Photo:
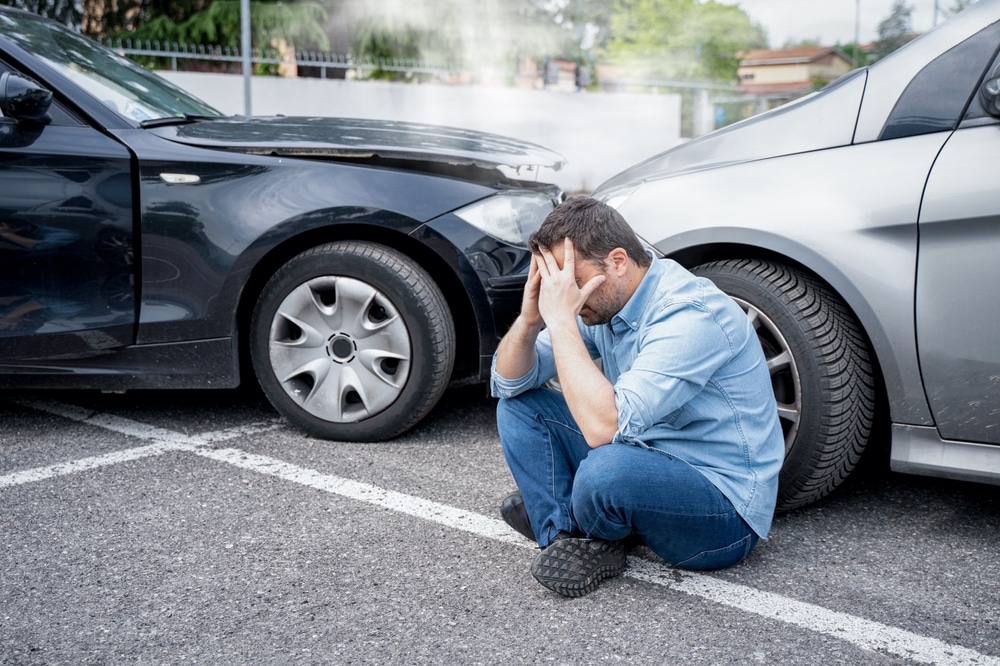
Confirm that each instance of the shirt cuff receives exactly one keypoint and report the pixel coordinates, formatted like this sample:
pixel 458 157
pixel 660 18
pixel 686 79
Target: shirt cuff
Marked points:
pixel 501 387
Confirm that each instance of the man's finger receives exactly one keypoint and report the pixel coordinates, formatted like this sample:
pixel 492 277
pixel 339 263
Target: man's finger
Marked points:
pixel 548 265
pixel 569 255
pixel 591 286
pixel 534 273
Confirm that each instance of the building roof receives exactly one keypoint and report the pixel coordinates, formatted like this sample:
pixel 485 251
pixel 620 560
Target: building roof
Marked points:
pixel 796 56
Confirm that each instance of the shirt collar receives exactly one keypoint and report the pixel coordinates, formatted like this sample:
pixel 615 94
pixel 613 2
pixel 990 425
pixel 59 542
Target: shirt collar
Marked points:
pixel 632 312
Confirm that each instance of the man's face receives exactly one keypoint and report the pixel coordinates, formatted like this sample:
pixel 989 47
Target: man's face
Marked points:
pixel 605 301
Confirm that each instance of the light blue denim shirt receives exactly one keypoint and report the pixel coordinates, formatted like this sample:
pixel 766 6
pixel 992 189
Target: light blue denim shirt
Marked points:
pixel 691 380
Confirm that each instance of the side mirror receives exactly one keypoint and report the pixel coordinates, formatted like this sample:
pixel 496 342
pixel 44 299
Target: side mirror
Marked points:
pixel 23 99
pixel 989 95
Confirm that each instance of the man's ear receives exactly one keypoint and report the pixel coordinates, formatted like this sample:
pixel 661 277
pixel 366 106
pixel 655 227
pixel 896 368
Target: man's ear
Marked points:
pixel 618 260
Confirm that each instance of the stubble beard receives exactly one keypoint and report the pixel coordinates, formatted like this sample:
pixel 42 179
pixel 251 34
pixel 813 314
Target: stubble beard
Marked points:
pixel 603 305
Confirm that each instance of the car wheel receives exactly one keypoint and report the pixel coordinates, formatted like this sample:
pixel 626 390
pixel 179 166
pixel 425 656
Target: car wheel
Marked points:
pixel 820 372
pixel 352 341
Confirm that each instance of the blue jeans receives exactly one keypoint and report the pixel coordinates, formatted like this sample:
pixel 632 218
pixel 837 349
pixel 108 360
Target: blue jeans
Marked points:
pixel 615 490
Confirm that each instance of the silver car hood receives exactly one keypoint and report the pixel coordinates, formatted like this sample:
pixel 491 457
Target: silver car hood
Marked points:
pixel 821 120
pixel 359 138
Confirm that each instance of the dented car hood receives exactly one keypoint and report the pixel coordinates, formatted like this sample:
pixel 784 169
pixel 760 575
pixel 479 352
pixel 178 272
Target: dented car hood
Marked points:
pixel 357 138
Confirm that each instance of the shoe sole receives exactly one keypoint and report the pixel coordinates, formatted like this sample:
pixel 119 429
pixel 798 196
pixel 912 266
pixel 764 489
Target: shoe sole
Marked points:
pixel 575 567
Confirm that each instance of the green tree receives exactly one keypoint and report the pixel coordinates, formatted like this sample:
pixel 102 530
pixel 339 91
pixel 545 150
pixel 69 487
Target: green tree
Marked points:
pixel 480 36
pixel 800 43
pixel 219 23
pixel 855 53
pixel 584 24
pixel 957 6
pixel 376 42
pixel 894 30
pixel 109 17
pixel 679 38
pixel 66 12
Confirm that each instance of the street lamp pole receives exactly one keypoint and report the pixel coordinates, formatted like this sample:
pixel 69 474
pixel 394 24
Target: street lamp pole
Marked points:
pixel 245 47
pixel 857 34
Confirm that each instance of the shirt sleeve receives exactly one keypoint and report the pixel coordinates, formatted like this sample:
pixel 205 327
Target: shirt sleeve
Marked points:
pixel 544 368
pixel 679 351
pixel 542 371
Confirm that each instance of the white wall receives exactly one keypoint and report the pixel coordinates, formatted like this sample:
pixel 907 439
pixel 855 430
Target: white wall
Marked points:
pixel 599 133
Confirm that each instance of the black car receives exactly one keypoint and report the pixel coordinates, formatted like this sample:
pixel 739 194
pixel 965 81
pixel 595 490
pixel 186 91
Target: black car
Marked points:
pixel 147 241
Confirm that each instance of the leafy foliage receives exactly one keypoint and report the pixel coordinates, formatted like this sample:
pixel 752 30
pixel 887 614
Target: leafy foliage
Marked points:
pixel 855 53
pixel 679 38
pixel 894 30
pixel 373 42
pixel 958 6
pixel 478 36
pixel 218 22
pixel 66 12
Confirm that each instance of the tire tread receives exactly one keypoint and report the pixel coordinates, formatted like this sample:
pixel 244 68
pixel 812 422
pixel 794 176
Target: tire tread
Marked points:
pixel 846 410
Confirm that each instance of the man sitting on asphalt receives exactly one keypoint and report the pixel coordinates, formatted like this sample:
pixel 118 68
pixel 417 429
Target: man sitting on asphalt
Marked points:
pixel 675 439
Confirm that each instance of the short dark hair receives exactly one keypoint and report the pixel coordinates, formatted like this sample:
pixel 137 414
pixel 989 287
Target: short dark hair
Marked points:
pixel 594 227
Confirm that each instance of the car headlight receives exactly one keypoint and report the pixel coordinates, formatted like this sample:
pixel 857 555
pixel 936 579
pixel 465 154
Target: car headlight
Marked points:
pixel 509 216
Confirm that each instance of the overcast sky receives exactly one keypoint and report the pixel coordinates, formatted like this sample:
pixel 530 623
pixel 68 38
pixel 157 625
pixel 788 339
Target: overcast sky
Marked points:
pixel 831 21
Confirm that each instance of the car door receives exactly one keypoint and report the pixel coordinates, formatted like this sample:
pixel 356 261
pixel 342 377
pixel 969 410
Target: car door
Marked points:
pixel 958 281
pixel 67 283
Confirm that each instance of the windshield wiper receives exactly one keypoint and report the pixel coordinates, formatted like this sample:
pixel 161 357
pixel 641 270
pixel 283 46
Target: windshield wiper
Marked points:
pixel 176 120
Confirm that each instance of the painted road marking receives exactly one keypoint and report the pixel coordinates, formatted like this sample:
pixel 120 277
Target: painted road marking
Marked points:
pixel 866 634
pixel 164 440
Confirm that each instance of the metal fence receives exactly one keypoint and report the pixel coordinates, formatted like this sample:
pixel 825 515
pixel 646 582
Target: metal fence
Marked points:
pixel 174 52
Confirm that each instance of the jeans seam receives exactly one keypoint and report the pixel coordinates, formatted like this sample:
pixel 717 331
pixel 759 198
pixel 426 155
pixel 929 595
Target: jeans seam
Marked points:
pixel 745 541
pixel 566 513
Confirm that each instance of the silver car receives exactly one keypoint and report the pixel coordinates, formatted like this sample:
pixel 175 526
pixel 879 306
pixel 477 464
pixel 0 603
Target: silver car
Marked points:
pixel 859 228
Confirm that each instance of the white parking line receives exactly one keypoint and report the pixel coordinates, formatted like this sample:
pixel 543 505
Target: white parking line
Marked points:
pixel 165 440
pixel 863 633
pixel 84 464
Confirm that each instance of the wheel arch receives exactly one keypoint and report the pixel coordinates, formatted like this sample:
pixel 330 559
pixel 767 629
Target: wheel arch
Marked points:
pixel 463 316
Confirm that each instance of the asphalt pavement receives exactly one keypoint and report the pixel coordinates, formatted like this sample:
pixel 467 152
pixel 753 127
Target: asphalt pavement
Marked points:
pixel 196 527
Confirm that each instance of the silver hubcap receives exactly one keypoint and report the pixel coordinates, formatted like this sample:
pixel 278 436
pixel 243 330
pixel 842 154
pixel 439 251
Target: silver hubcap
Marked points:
pixel 340 349
pixel 784 374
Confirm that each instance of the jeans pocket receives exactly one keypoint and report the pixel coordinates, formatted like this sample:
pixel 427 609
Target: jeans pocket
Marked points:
pixel 720 558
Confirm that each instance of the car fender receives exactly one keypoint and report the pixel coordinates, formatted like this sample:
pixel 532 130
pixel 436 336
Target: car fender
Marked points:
pixel 208 218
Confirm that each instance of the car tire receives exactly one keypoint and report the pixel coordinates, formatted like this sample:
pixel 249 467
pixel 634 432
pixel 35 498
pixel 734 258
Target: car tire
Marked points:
pixel 820 371
pixel 352 341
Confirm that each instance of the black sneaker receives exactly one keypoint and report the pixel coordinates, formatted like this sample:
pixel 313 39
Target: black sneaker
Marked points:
pixel 514 514
pixel 574 567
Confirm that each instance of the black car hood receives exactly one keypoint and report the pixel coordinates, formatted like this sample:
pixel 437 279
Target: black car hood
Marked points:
pixel 359 138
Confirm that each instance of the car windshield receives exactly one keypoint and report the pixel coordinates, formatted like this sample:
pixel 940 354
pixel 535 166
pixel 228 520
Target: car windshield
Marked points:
pixel 118 82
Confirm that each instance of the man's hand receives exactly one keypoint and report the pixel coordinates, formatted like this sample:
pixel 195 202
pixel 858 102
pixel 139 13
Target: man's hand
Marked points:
pixel 529 301
pixel 516 352
pixel 560 298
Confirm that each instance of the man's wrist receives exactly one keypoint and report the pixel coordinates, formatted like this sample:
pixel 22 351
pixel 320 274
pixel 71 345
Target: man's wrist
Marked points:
pixel 530 326
pixel 558 325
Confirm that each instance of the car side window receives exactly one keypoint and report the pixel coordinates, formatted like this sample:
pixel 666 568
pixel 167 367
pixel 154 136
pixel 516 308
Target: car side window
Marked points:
pixel 939 94
pixel 58 113
pixel 977 114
